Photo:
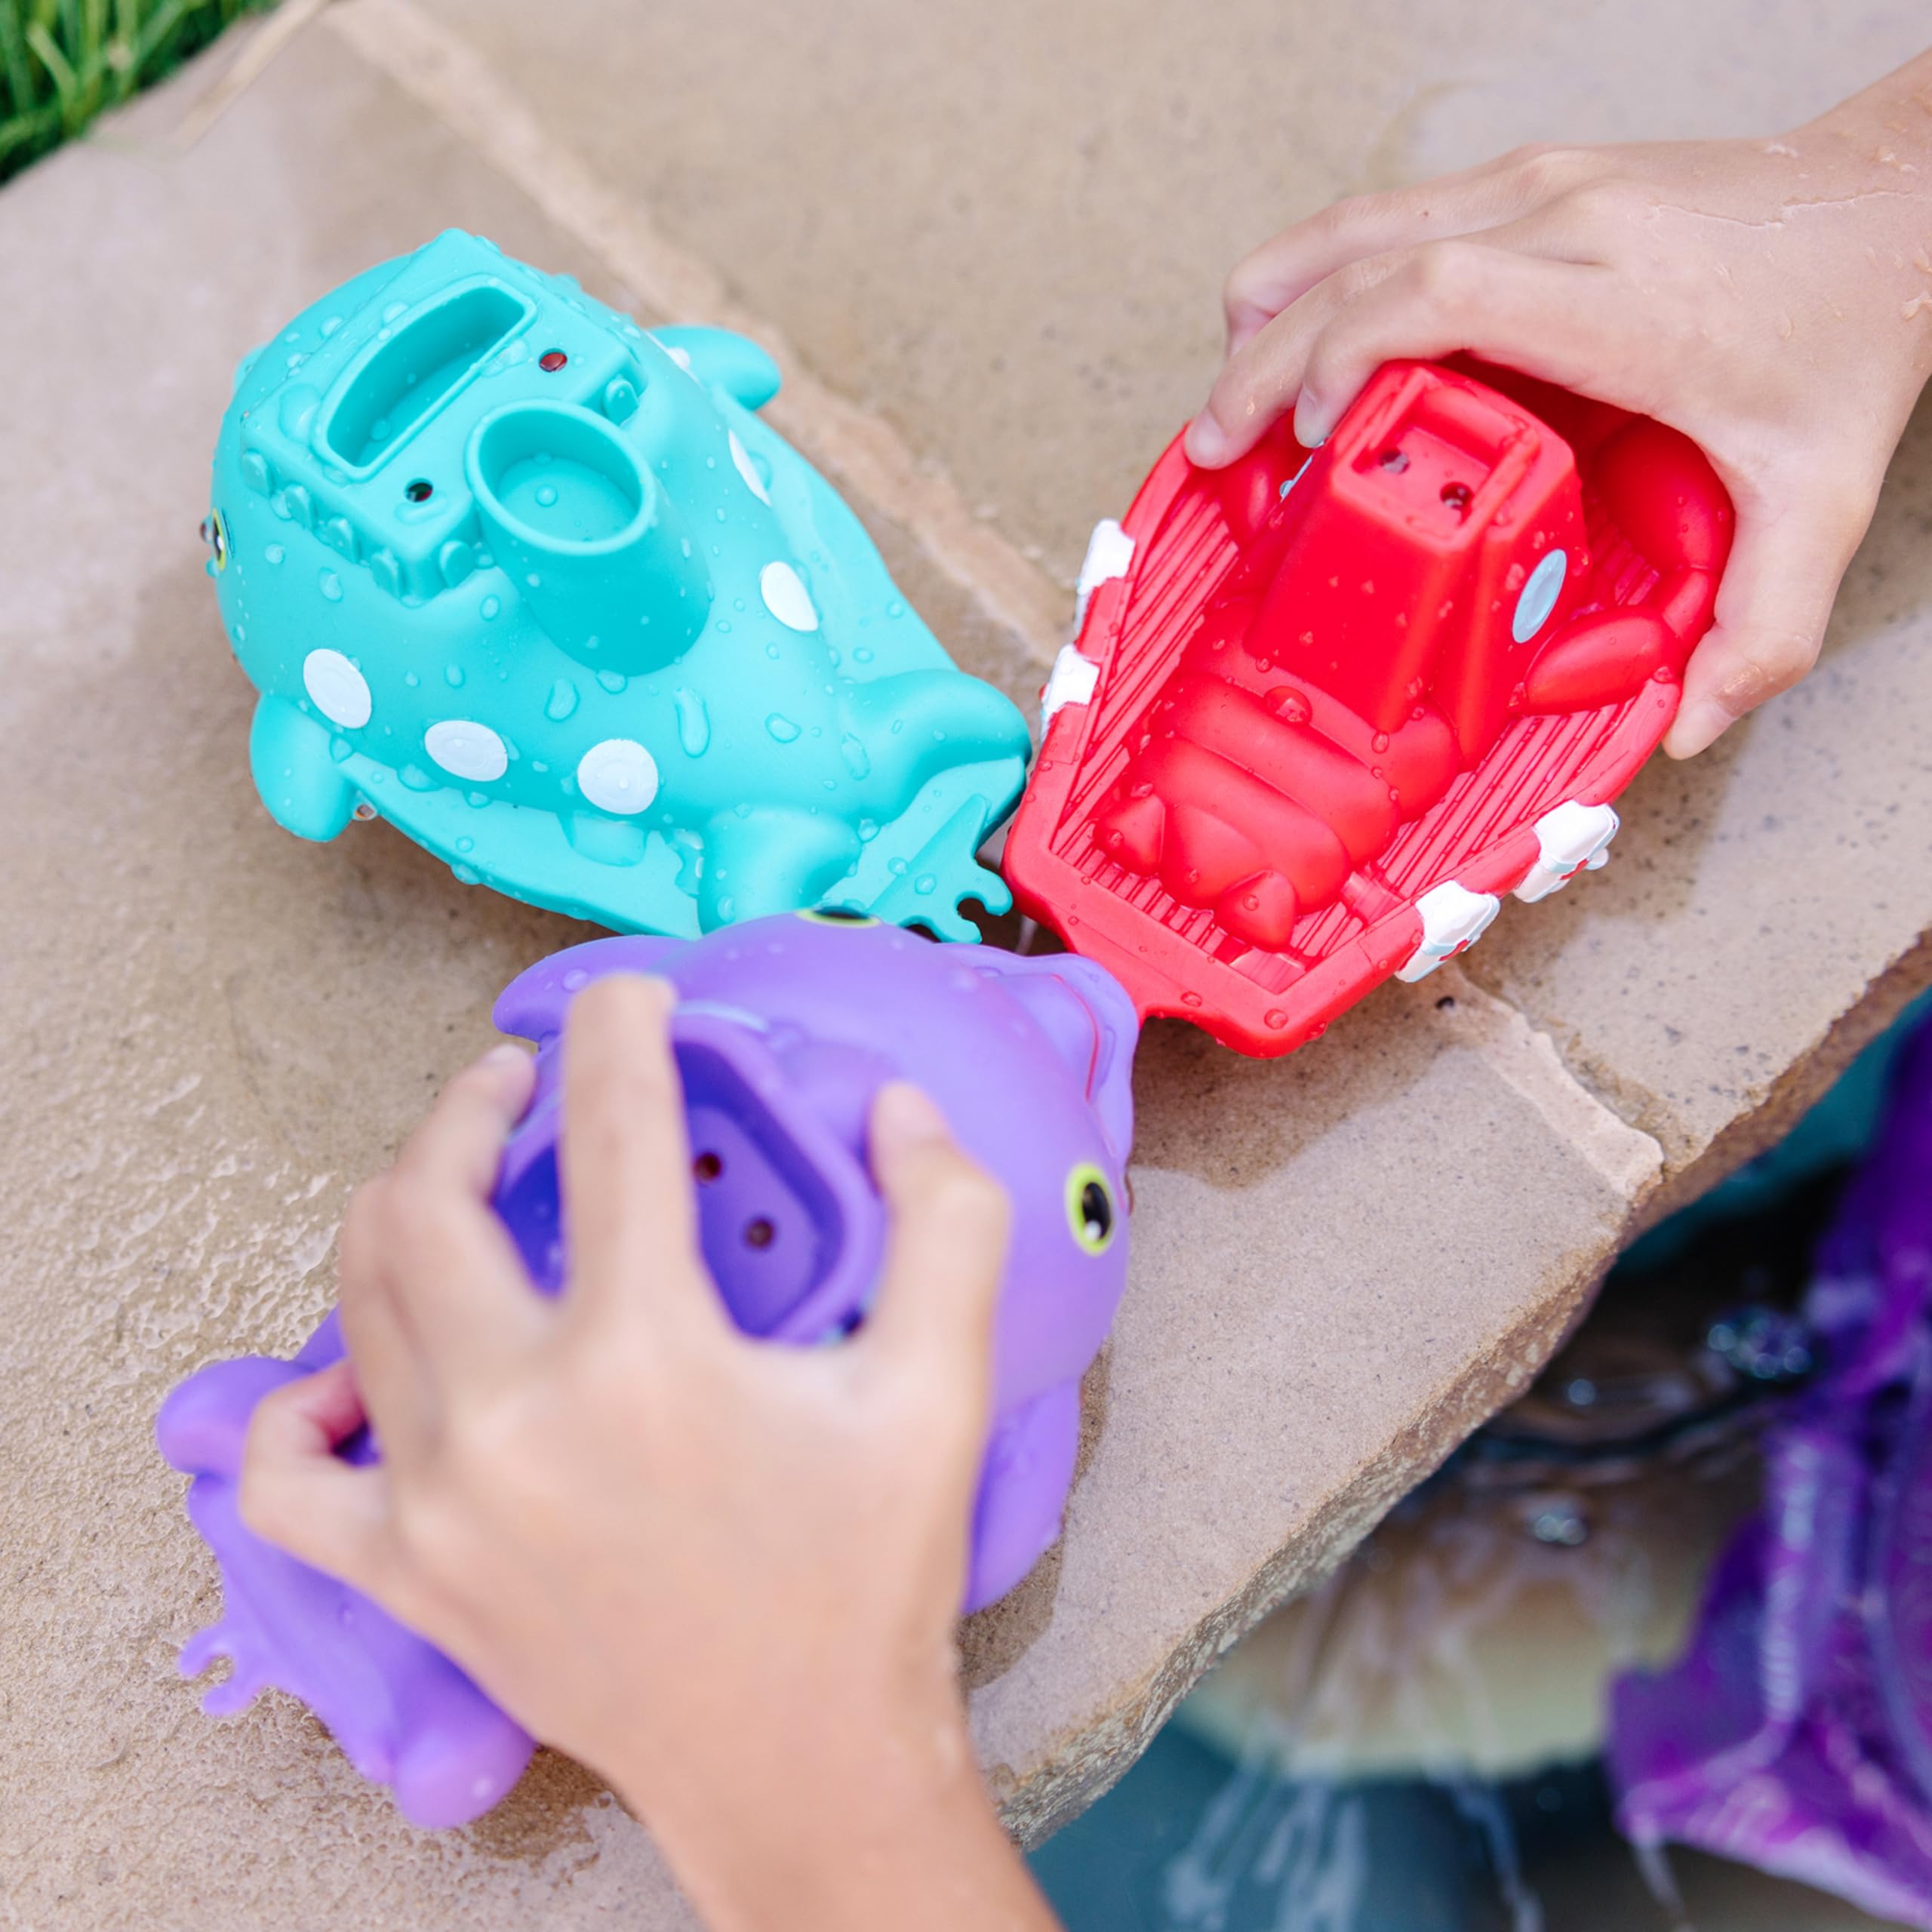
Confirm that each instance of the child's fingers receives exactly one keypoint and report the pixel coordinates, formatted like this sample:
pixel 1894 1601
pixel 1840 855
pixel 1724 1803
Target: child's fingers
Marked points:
pixel 1560 321
pixel 436 1252
pixel 946 1251
pixel 296 1492
pixel 1286 267
pixel 389 1368
pixel 1540 314
pixel 625 1161
pixel 461 1142
pixel 1772 606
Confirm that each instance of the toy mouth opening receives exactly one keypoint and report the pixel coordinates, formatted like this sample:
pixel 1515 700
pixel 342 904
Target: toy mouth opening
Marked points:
pixel 788 1223
pixel 430 357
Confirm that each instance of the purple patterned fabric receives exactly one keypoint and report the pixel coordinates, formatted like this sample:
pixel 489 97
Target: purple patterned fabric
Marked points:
pixel 1796 1733
pixel 785 1029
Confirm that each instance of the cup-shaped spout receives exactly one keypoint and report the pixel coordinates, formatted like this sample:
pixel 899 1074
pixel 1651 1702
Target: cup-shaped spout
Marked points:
pixel 587 535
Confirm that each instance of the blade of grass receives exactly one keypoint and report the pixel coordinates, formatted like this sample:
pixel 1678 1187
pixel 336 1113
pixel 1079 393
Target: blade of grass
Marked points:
pixel 14 59
pixel 120 54
pixel 161 22
pixel 66 87
pixel 26 129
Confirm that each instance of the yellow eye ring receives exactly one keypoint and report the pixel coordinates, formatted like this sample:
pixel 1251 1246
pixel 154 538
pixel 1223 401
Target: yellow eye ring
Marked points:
pixel 214 534
pixel 836 915
pixel 1092 1215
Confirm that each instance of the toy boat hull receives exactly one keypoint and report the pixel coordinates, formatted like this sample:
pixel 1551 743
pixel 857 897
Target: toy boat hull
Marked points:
pixel 1531 810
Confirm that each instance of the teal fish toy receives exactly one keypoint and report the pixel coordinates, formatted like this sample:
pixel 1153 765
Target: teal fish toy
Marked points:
pixel 539 588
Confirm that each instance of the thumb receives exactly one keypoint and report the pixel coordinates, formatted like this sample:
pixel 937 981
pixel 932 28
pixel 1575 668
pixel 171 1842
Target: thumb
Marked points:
pixel 1772 608
pixel 946 1250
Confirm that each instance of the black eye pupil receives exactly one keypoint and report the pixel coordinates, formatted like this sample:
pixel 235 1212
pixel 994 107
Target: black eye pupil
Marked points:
pixel 843 915
pixel 1097 1211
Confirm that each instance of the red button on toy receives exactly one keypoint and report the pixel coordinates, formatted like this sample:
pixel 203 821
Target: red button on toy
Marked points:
pixel 1323 709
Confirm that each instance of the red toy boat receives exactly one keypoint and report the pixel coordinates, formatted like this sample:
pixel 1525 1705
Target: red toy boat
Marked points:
pixel 1322 709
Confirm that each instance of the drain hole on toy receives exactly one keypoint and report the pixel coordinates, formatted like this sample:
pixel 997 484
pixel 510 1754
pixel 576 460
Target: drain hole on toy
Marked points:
pixel 430 357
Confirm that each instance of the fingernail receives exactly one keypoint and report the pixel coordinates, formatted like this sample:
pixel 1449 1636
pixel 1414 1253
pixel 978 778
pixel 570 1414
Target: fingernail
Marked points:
pixel 1206 443
pixel 906 1114
pixel 503 1056
pixel 1312 428
pixel 1699 724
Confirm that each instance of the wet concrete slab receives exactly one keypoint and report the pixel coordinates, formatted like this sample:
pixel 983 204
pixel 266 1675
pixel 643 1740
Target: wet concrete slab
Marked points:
pixel 1343 1261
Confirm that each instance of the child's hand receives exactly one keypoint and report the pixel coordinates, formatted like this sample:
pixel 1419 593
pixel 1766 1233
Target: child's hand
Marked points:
pixel 726 1573
pixel 1772 299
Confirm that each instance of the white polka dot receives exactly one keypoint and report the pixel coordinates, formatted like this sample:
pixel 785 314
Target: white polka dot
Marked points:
pixel 618 775
pixel 754 482
pixel 338 691
pixel 466 750
pixel 787 598
pixel 1538 598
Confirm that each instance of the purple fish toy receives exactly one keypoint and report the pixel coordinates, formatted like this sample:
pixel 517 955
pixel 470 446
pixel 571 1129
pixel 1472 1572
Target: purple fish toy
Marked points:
pixel 785 1029
pixel 1796 1733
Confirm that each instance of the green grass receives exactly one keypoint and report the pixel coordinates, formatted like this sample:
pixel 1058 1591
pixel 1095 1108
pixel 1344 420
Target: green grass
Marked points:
pixel 62 62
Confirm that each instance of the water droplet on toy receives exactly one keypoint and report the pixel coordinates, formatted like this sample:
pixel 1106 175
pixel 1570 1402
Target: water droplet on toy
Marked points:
pixel 897 867
pixel 331 586
pixel 452 675
pixel 868 830
pixel 925 883
pixel 895 608
pixel 465 845
pixel 613 681
pixel 464 875
pixel 575 979
pixel 1190 999
pixel 410 678
pixel 1274 1017
pixel 694 722
pixel 781 727
pixel 853 753
pixel 275 553
pixel 771 650
pixel 341 750
pixel 1379 742
pixel 726 908
pixel 561 702
pixel 488 608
